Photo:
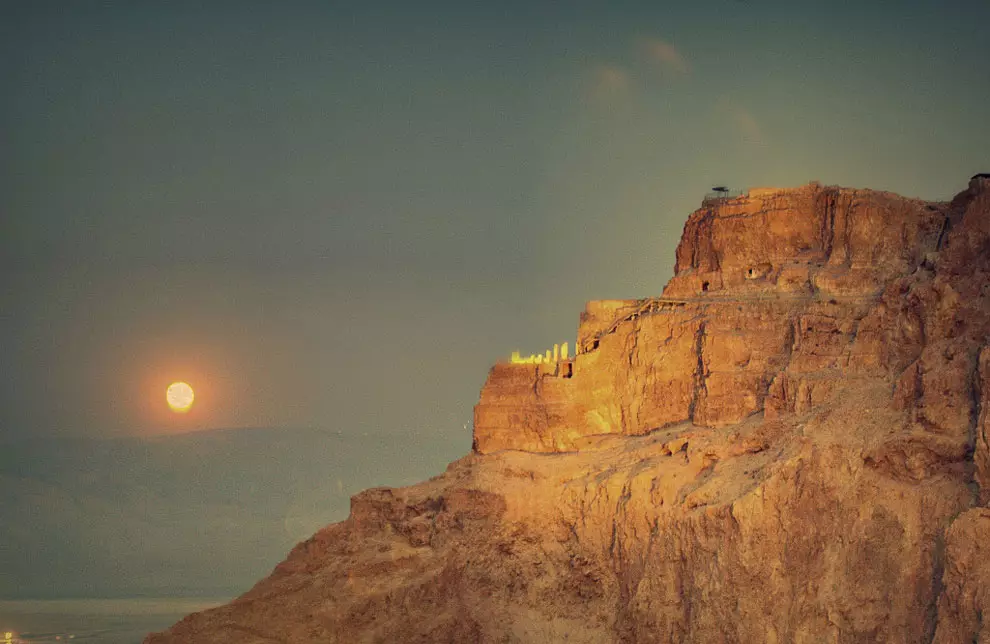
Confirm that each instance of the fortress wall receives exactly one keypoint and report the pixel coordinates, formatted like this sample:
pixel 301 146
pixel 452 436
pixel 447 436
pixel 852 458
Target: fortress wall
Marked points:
pixel 524 407
pixel 763 192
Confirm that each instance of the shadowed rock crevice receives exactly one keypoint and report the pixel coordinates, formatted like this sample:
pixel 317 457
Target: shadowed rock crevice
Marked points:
pixel 700 388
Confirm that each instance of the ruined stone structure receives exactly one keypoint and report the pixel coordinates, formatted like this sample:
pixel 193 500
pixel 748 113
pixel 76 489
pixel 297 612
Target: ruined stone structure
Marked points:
pixel 559 352
pixel 789 444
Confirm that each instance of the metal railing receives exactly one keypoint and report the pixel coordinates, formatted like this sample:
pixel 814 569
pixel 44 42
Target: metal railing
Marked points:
pixel 719 196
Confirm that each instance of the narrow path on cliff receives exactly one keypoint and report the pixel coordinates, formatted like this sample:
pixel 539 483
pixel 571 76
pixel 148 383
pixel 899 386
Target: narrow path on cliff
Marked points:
pixel 656 305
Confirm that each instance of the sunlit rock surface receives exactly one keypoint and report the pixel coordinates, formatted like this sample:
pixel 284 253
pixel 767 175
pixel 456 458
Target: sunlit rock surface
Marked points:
pixel 789 445
pixel 777 297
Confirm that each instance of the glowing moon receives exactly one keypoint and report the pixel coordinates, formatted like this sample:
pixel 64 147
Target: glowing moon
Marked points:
pixel 179 396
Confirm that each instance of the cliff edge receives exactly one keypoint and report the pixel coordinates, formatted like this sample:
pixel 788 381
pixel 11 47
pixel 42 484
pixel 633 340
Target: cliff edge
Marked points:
pixel 789 444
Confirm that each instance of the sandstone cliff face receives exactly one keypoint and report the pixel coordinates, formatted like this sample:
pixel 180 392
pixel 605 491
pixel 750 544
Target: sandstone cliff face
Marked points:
pixel 777 296
pixel 789 445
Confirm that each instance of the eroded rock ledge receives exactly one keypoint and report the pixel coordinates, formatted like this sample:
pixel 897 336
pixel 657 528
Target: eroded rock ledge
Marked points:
pixel 790 444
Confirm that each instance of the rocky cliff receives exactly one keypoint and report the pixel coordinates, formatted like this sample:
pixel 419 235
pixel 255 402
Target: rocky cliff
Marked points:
pixel 789 444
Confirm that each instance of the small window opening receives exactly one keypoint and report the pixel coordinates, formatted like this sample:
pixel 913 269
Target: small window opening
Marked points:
pixel 704 286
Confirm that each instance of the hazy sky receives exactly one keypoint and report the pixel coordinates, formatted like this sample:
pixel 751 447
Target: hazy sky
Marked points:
pixel 338 215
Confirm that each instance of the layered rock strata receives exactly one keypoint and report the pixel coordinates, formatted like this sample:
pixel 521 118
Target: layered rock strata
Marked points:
pixel 790 444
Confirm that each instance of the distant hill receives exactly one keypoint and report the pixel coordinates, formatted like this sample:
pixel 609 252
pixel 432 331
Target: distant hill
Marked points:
pixel 197 514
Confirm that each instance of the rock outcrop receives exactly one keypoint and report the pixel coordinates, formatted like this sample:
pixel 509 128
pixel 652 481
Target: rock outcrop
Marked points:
pixel 790 444
pixel 777 298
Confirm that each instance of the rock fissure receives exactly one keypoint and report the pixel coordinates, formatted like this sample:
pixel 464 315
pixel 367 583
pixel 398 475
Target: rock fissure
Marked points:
pixel 938 573
pixel 828 224
pixel 942 233
pixel 700 387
